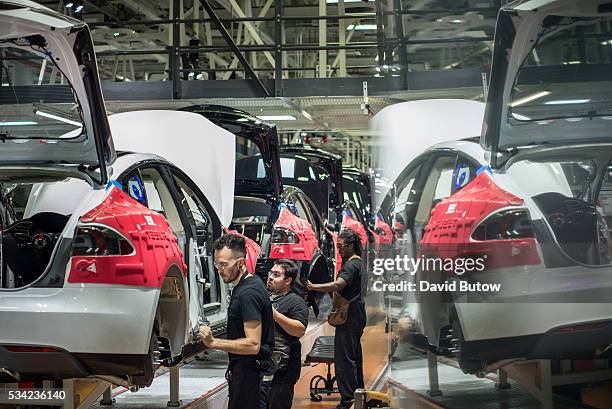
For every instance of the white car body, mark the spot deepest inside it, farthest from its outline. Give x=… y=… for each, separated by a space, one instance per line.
x=553 y=303
x=85 y=314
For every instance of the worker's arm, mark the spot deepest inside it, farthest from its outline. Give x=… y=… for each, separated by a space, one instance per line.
x=334 y=286
x=292 y=327
x=249 y=345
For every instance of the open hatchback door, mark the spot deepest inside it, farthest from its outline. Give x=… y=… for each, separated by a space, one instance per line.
x=51 y=106
x=542 y=98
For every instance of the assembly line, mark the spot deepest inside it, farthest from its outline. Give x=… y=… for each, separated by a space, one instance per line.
x=206 y=256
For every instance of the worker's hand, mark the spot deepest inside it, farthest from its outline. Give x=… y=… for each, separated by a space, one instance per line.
x=310 y=285
x=206 y=336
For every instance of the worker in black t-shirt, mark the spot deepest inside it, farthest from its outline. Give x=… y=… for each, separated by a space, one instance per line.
x=290 y=314
x=250 y=329
x=348 y=357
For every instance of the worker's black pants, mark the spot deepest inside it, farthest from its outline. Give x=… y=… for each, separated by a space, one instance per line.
x=348 y=357
x=277 y=395
x=244 y=378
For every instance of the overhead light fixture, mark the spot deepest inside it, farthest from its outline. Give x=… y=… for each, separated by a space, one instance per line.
x=567 y=102
x=528 y=98
x=572 y=62
x=457 y=21
x=351 y=27
x=199 y=76
x=276 y=117
x=347 y=1
x=58 y=118
x=78 y=6
x=68 y=3
x=17 y=123
x=116 y=34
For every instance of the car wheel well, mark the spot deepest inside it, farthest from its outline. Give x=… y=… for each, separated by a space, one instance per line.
x=171 y=315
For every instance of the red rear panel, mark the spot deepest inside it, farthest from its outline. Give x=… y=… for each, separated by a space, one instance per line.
x=350 y=223
x=308 y=243
x=149 y=232
x=448 y=232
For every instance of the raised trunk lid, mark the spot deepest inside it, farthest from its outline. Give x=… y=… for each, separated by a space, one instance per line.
x=61 y=119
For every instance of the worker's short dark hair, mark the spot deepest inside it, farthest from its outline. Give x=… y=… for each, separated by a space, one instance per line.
x=351 y=237
x=232 y=241
x=289 y=267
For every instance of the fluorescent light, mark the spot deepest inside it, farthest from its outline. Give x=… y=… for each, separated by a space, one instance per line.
x=78 y=8
x=18 y=123
x=528 y=98
x=276 y=117
x=361 y=27
x=199 y=76
x=567 y=101
x=572 y=62
x=58 y=118
x=457 y=21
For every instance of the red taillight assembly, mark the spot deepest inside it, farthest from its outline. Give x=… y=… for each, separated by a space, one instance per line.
x=583 y=327
x=91 y=240
x=284 y=236
x=30 y=349
x=506 y=224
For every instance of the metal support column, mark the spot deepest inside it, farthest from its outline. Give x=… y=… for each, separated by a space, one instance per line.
x=278 y=56
x=107 y=397
x=175 y=57
x=502 y=380
x=380 y=33
x=341 y=40
x=322 y=39
x=432 y=370
x=545 y=377
x=401 y=47
x=174 y=401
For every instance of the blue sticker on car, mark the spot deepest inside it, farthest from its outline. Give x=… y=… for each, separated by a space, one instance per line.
x=462 y=175
x=136 y=189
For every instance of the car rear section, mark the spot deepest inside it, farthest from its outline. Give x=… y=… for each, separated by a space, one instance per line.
x=79 y=283
x=92 y=310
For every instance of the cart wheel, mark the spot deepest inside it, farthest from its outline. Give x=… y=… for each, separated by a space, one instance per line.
x=316 y=398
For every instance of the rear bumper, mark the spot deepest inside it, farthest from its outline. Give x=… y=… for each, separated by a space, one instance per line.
x=84 y=319
x=580 y=342
x=62 y=365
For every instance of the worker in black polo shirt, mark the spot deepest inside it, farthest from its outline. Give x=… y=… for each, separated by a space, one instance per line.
x=250 y=329
x=350 y=284
x=290 y=314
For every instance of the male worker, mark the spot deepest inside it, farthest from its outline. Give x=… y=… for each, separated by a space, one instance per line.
x=290 y=314
x=250 y=329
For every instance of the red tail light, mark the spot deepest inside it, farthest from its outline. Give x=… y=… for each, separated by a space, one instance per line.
x=583 y=327
x=506 y=224
x=100 y=240
x=31 y=349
